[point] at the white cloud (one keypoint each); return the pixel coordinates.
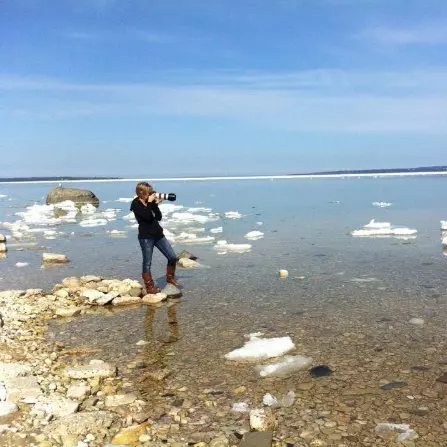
(430, 34)
(316, 101)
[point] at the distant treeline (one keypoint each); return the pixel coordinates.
(381, 171)
(52, 179)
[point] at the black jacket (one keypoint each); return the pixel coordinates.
(147, 217)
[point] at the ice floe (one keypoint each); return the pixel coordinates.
(21, 264)
(382, 204)
(254, 235)
(130, 216)
(374, 228)
(88, 208)
(233, 215)
(116, 233)
(191, 238)
(93, 222)
(216, 230)
(284, 367)
(223, 246)
(258, 348)
(124, 199)
(444, 225)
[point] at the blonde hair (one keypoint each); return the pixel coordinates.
(142, 189)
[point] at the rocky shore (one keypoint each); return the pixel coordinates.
(54, 395)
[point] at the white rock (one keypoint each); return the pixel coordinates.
(120, 399)
(78, 391)
(258, 348)
(123, 300)
(54, 258)
(187, 263)
(61, 293)
(283, 274)
(68, 312)
(240, 407)
(8, 370)
(403, 431)
(262, 419)
(23, 389)
(56, 406)
(270, 401)
(96, 368)
(2, 238)
(154, 298)
(3, 392)
(7, 408)
(233, 215)
(92, 295)
(284, 367)
(2, 247)
(417, 321)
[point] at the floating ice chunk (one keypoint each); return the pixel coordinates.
(382, 204)
(270, 401)
(130, 216)
(190, 217)
(191, 238)
(417, 321)
(258, 348)
(285, 367)
(403, 430)
(21, 264)
(2, 196)
(259, 223)
(199, 210)
(377, 225)
(444, 225)
(233, 215)
(93, 222)
(240, 407)
(223, 246)
(88, 208)
(283, 274)
(254, 235)
(216, 230)
(125, 199)
(116, 233)
(444, 241)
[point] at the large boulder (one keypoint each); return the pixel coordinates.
(79, 196)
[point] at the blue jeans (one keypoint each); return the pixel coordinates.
(147, 248)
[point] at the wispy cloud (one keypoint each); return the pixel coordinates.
(155, 37)
(430, 34)
(315, 101)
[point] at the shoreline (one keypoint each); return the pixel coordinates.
(249, 177)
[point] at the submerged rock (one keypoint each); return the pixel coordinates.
(96, 368)
(184, 254)
(54, 258)
(262, 419)
(393, 385)
(320, 371)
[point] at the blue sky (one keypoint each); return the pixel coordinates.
(221, 87)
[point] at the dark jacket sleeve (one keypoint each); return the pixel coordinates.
(147, 213)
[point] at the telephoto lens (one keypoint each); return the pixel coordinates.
(166, 196)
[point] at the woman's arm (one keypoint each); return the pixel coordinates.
(147, 213)
(157, 211)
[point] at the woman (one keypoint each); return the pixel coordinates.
(150, 235)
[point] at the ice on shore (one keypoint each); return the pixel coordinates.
(190, 238)
(223, 246)
(258, 348)
(2, 196)
(190, 217)
(216, 230)
(130, 216)
(233, 215)
(254, 235)
(382, 204)
(21, 264)
(93, 222)
(116, 233)
(374, 228)
(444, 225)
(403, 431)
(88, 208)
(284, 367)
(124, 199)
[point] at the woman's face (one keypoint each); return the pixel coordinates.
(147, 192)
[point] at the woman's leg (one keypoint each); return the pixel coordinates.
(165, 247)
(147, 249)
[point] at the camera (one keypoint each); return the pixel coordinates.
(165, 196)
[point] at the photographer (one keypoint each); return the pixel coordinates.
(150, 235)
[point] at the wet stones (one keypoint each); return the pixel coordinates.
(257, 439)
(320, 371)
(120, 399)
(262, 419)
(96, 368)
(393, 385)
(442, 379)
(54, 258)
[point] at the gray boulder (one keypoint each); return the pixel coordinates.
(79, 196)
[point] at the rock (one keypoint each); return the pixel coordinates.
(417, 321)
(56, 406)
(442, 379)
(124, 300)
(239, 390)
(120, 399)
(61, 293)
(7, 408)
(80, 424)
(154, 298)
(171, 291)
(54, 258)
(90, 278)
(257, 439)
(106, 299)
(283, 274)
(96, 368)
(68, 312)
(187, 263)
(2, 238)
(78, 391)
(395, 432)
(8, 370)
(130, 435)
(320, 371)
(393, 385)
(92, 295)
(3, 248)
(219, 442)
(71, 282)
(23, 388)
(262, 419)
(186, 255)
(77, 195)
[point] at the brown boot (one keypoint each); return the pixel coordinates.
(170, 275)
(149, 284)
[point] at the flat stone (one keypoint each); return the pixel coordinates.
(96, 368)
(187, 263)
(219, 442)
(14, 370)
(78, 391)
(262, 419)
(68, 312)
(123, 300)
(54, 258)
(7, 408)
(56, 406)
(394, 385)
(92, 295)
(442, 379)
(120, 399)
(154, 298)
(23, 388)
(257, 439)
(171, 291)
(130, 435)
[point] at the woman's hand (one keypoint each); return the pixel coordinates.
(152, 198)
(158, 200)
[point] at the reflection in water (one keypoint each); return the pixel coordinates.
(171, 309)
